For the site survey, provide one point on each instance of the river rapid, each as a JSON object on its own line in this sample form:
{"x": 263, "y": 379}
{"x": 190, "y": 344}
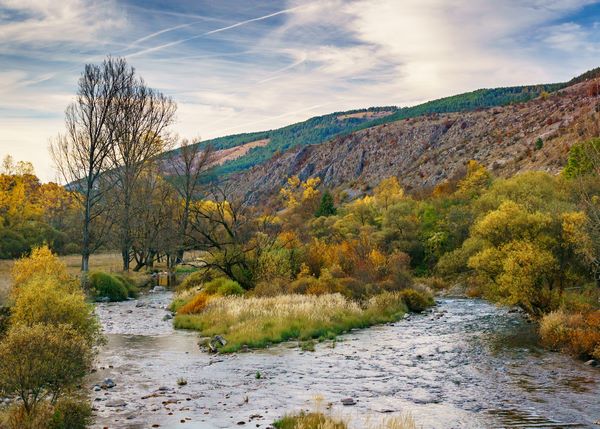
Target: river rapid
{"x": 464, "y": 364}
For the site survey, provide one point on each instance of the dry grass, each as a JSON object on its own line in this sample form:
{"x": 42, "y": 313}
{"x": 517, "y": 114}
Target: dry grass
{"x": 259, "y": 321}
{"x": 320, "y": 420}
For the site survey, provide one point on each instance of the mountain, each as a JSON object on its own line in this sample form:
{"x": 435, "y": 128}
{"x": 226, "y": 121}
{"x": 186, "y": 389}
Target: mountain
{"x": 240, "y": 152}
{"x": 508, "y": 130}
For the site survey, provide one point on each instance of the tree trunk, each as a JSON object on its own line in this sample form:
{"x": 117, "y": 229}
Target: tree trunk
{"x": 125, "y": 256}
{"x": 85, "y": 245}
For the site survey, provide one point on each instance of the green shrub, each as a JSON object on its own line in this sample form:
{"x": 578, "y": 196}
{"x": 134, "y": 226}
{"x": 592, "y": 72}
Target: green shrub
{"x": 72, "y": 249}
{"x": 132, "y": 289}
{"x": 539, "y": 143}
{"x": 196, "y": 279}
{"x": 416, "y": 301}
{"x": 223, "y": 286}
{"x": 106, "y": 285}
{"x": 71, "y": 413}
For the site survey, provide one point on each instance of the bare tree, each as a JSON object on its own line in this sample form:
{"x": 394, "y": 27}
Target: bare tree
{"x": 138, "y": 125}
{"x": 82, "y": 153}
{"x": 231, "y": 235}
{"x": 187, "y": 165}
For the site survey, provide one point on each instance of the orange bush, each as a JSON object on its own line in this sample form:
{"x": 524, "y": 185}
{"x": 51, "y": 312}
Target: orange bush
{"x": 577, "y": 333}
{"x": 196, "y": 304}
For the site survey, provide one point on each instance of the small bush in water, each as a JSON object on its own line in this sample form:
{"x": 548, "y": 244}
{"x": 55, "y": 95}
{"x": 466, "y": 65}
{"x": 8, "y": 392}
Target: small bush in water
{"x": 132, "y": 289}
{"x": 416, "y": 301}
{"x": 106, "y": 285}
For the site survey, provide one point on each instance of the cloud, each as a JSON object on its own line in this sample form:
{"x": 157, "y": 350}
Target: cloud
{"x": 41, "y": 23}
{"x": 237, "y": 67}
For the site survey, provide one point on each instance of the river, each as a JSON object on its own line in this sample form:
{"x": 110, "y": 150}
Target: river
{"x": 464, "y": 364}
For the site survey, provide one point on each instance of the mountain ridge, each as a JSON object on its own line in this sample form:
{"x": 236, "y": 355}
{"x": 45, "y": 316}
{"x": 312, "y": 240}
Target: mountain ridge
{"x": 425, "y": 150}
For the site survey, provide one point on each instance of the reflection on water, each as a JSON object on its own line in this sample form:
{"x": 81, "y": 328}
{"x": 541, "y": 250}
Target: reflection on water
{"x": 467, "y": 364}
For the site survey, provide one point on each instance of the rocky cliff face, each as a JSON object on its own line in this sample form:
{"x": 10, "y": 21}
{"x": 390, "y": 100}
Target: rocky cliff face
{"x": 424, "y": 151}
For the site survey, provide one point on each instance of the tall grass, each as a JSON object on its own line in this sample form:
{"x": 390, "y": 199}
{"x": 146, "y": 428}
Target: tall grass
{"x": 320, "y": 420}
{"x": 259, "y": 321}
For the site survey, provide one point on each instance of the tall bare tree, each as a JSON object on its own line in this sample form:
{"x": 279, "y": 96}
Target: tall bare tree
{"x": 187, "y": 165}
{"x": 82, "y": 153}
{"x": 138, "y": 125}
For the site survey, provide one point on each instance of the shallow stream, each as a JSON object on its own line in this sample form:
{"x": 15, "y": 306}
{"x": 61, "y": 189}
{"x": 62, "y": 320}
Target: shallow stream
{"x": 465, "y": 364}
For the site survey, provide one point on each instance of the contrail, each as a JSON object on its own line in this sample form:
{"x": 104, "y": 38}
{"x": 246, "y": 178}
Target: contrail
{"x": 208, "y": 33}
{"x": 158, "y": 33}
{"x": 276, "y": 73}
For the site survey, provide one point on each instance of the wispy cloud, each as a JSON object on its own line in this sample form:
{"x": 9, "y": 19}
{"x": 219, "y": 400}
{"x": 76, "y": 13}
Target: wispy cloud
{"x": 208, "y": 33}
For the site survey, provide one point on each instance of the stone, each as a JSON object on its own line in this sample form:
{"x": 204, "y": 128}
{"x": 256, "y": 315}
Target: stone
{"x": 139, "y": 304}
{"x": 220, "y": 340}
{"x": 97, "y": 388}
{"x": 103, "y": 299}
{"x": 167, "y": 317}
{"x": 108, "y": 384}
{"x": 158, "y": 289}
{"x": 348, "y": 401}
{"x": 116, "y": 403}
{"x": 592, "y": 362}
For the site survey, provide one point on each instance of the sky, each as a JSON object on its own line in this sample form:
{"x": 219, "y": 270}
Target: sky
{"x": 243, "y": 65}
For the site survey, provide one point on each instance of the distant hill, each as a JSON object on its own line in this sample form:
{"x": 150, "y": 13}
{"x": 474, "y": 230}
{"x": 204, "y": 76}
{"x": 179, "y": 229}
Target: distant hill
{"x": 322, "y": 128}
{"x": 427, "y": 144}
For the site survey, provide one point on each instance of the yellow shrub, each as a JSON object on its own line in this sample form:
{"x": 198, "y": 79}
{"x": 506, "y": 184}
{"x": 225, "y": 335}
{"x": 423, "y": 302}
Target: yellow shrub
{"x": 41, "y": 263}
{"x": 48, "y": 302}
{"x": 553, "y": 330}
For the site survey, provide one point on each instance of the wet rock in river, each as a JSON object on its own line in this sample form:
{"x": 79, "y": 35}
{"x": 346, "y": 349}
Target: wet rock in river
{"x": 116, "y": 403}
{"x": 108, "y": 383}
{"x": 348, "y": 401}
{"x": 167, "y": 317}
{"x": 158, "y": 289}
{"x": 592, "y": 362}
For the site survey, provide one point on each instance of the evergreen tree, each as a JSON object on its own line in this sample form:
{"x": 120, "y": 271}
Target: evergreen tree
{"x": 326, "y": 207}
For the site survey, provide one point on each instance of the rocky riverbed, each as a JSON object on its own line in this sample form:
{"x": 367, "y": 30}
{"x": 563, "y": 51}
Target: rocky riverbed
{"x": 465, "y": 364}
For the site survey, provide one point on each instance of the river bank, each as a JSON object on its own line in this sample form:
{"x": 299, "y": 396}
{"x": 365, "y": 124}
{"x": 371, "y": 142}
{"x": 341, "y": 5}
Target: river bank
{"x": 464, "y": 364}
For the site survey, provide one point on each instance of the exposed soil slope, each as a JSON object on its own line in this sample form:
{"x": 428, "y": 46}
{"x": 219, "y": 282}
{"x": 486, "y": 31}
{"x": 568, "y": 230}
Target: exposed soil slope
{"x": 424, "y": 151}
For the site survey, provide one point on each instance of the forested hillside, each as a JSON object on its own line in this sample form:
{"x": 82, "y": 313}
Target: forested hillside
{"x": 427, "y": 150}
{"x": 322, "y": 128}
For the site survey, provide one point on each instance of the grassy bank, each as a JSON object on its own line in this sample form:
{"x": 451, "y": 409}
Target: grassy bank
{"x": 321, "y": 420}
{"x": 257, "y": 322}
